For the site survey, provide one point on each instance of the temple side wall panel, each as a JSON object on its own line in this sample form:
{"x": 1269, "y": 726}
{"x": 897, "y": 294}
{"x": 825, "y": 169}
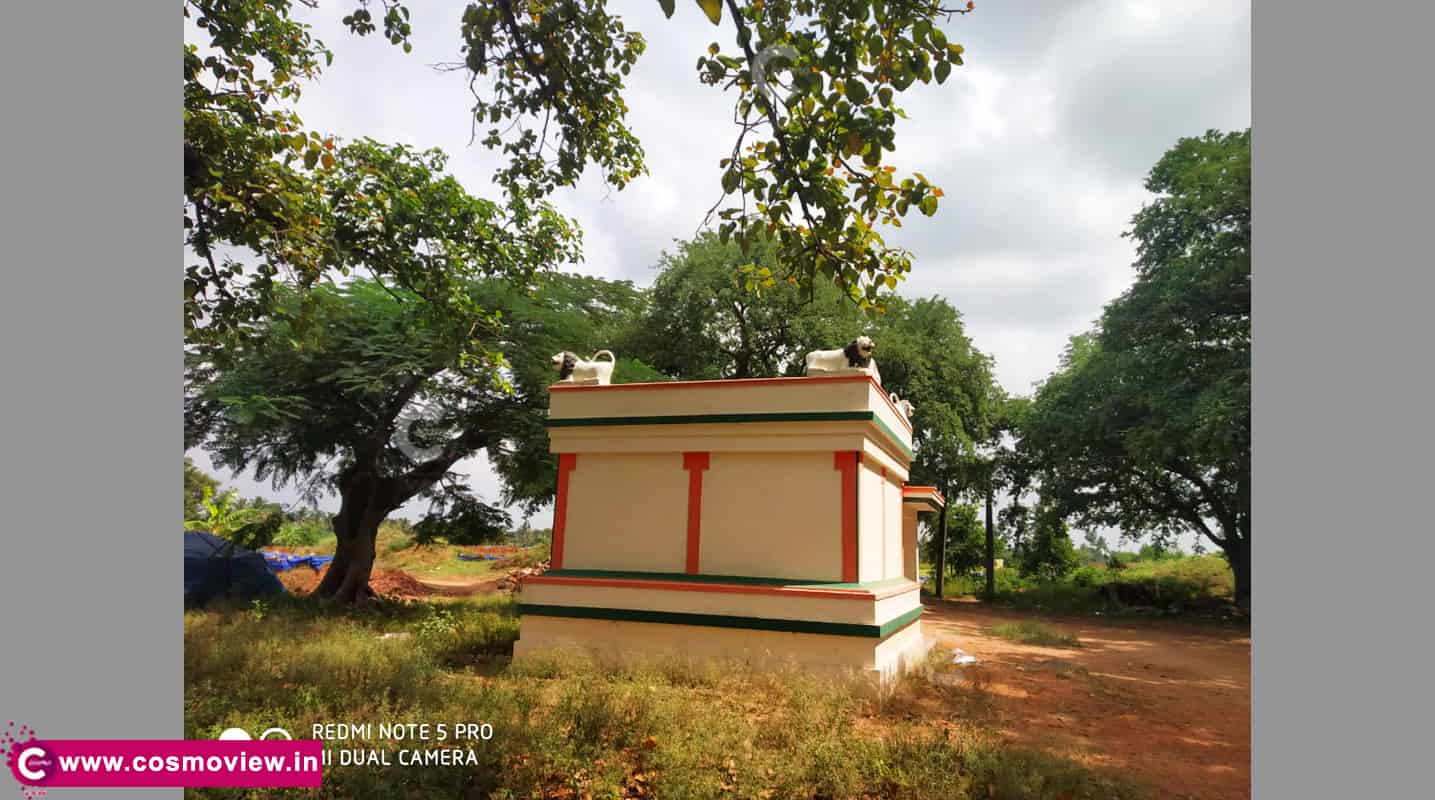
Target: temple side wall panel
{"x": 870, "y": 524}
{"x": 627, "y": 512}
{"x": 892, "y": 528}
{"x": 772, "y": 515}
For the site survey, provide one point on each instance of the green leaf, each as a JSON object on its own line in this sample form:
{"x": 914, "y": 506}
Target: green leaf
{"x": 944, "y": 68}
{"x": 729, "y": 181}
{"x": 856, "y": 91}
{"x": 929, "y": 205}
{"x": 713, "y": 8}
{"x": 668, "y": 6}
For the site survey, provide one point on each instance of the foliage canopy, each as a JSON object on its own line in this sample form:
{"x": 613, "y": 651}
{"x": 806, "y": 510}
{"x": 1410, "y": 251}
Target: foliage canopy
{"x": 1146, "y": 425}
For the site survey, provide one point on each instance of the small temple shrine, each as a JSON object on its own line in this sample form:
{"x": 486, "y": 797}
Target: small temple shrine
{"x": 764, "y": 520}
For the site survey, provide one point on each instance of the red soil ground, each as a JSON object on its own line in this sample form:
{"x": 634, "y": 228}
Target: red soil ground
{"x": 1169, "y": 703}
{"x": 386, "y": 582}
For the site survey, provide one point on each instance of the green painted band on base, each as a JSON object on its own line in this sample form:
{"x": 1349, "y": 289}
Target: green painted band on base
{"x": 700, "y": 419}
{"x": 740, "y": 580}
{"x": 723, "y": 621}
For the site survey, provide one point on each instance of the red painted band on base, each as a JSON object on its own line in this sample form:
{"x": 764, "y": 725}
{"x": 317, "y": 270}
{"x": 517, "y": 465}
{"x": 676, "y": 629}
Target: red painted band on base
{"x": 723, "y": 588}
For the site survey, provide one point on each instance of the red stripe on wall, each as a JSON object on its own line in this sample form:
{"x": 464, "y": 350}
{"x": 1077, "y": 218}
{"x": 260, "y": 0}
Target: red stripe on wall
{"x": 567, "y": 462}
{"x": 695, "y": 463}
{"x": 846, "y": 461}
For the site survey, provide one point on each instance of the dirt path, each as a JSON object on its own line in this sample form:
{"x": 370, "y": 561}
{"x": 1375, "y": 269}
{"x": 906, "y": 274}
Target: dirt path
{"x": 461, "y": 587}
{"x": 1169, "y": 702}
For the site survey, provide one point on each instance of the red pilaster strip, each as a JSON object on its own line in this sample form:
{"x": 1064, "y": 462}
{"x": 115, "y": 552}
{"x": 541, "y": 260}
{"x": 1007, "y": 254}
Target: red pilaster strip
{"x": 567, "y": 462}
{"x": 846, "y": 461}
{"x": 695, "y": 463}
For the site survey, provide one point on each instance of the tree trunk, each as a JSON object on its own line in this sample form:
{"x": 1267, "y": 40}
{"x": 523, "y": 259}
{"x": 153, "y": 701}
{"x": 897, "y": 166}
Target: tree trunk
{"x": 742, "y": 360}
{"x": 940, "y": 569}
{"x": 1238, "y": 553}
{"x": 991, "y": 550}
{"x": 356, "y": 527}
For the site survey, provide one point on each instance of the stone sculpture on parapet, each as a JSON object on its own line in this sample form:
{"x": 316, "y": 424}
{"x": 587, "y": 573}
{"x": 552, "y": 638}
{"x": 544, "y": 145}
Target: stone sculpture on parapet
{"x": 856, "y": 357}
{"x": 590, "y": 371}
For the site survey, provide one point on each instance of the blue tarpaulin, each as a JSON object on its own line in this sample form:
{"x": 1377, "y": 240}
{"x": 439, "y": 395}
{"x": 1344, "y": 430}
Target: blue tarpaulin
{"x": 472, "y": 557}
{"x": 214, "y": 566}
{"x": 279, "y": 562}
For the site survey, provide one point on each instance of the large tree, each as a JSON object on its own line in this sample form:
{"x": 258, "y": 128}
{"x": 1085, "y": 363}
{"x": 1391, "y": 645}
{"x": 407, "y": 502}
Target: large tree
{"x": 374, "y": 399}
{"x": 314, "y": 389}
{"x": 814, "y": 87}
{"x": 320, "y": 407}
{"x": 706, "y": 317}
{"x": 1146, "y": 425}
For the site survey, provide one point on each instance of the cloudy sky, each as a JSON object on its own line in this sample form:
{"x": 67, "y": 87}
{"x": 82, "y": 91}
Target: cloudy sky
{"x": 1041, "y": 143}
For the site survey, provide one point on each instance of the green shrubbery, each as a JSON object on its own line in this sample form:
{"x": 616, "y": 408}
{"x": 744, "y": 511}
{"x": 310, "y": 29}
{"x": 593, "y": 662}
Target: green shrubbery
{"x": 305, "y": 533}
{"x": 1201, "y": 586}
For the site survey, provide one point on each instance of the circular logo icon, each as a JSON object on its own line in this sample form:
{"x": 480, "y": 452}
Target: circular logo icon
{"x": 419, "y": 420}
{"x": 35, "y": 763}
{"x": 235, "y": 735}
{"x": 759, "y": 67}
{"x": 265, "y": 735}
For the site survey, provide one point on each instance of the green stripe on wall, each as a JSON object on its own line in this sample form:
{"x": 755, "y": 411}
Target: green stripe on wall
{"x": 892, "y": 626}
{"x": 724, "y": 621}
{"x": 897, "y": 440}
{"x": 698, "y": 419}
{"x": 742, "y": 580}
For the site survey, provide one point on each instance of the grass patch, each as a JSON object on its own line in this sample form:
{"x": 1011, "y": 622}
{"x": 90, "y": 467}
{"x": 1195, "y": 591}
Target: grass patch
{"x": 1032, "y": 632}
{"x": 1193, "y": 587}
{"x": 567, "y": 727}
{"x": 396, "y": 549}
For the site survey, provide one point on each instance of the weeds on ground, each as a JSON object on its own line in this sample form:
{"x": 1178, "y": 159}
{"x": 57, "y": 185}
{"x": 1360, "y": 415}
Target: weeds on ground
{"x": 395, "y": 548}
{"x": 565, "y": 726}
{"x": 528, "y": 557}
{"x": 1033, "y": 632}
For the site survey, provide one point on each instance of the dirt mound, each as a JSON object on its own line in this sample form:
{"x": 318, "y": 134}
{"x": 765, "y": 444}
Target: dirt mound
{"x": 386, "y": 582}
{"x": 302, "y": 580}
{"x": 397, "y": 583}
